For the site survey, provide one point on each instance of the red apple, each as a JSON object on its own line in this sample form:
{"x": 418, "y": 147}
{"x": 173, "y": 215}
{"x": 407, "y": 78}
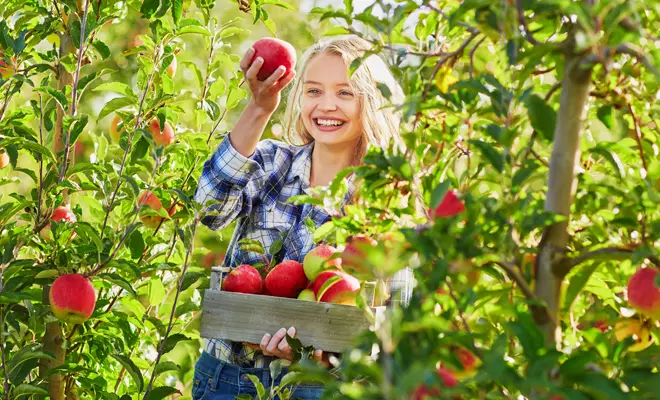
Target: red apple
{"x": 354, "y": 254}
{"x": 448, "y": 379}
{"x": 275, "y": 53}
{"x": 171, "y": 69}
{"x": 161, "y": 137}
{"x": 61, "y": 213}
{"x": 466, "y": 358}
{"x": 644, "y": 292}
{"x": 286, "y": 279}
{"x": 72, "y": 298}
{"x": 448, "y": 207}
{"x": 5, "y": 69}
{"x": 317, "y": 259}
{"x": 243, "y": 279}
{"x": 342, "y": 292}
{"x": 4, "y": 159}
{"x": 115, "y": 134}
{"x": 148, "y": 198}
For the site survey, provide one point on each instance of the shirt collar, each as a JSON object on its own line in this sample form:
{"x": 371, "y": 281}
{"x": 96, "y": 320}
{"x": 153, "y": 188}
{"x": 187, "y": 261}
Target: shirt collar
{"x": 301, "y": 168}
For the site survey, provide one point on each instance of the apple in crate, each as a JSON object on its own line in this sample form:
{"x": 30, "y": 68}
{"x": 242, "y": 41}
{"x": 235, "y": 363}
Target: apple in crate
{"x": 317, "y": 259}
{"x": 243, "y": 279}
{"x": 342, "y": 291}
{"x": 286, "y": 279}
{"x": 307, "y": 294}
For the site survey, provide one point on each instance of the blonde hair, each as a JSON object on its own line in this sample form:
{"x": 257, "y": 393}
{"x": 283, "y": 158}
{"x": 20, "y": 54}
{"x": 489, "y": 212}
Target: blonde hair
{"x": 380, "y": 124}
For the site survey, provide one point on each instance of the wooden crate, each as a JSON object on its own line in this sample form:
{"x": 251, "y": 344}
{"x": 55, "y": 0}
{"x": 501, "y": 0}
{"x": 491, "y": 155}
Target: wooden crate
{"x": 246, "y": 318}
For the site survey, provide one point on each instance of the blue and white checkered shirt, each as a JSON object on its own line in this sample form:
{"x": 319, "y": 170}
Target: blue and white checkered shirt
{"x": 255, "y": 191}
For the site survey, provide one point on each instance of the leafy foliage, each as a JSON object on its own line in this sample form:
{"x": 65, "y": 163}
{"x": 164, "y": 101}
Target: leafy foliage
{"x": 489, "y": 93}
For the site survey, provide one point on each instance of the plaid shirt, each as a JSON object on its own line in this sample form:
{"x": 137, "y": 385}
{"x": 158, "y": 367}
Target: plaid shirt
{"x": 255, "y": 191}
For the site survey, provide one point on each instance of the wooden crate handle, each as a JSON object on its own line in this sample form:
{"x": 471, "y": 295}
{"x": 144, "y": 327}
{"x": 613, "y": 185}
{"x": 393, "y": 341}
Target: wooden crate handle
{"x": 218, "y": 274}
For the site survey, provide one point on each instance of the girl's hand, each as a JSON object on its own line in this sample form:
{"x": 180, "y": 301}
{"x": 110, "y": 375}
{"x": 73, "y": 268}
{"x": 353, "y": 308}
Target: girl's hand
{"x": 265, "y": 94}
{"x": 277, "y": 345}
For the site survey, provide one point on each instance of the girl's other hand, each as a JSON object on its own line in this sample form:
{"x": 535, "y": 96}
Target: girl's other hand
{"x": 265, "y": 94}
{"x": 277, "y": 345}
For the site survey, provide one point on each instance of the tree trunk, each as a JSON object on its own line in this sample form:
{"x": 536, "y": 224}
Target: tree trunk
{"x": 52, "y": 342}
{"x": 64, "y": 79}
{"x": 561, "y": 189}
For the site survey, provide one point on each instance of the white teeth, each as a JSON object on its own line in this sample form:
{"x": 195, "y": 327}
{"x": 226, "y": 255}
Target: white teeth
{"x": 329, "y": 122}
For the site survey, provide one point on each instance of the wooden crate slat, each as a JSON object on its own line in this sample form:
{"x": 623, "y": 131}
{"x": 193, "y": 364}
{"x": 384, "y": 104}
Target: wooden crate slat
{"x": 246, "y": 318}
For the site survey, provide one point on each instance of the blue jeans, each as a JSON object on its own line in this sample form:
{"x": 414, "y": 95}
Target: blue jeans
{"x": 215, "y": 379}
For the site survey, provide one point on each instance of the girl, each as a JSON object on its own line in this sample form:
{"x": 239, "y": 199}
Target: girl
{"x": 331, "y": 120}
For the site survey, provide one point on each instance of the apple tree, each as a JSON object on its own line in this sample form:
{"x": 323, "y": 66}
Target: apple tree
{"x": 525, "y": 199}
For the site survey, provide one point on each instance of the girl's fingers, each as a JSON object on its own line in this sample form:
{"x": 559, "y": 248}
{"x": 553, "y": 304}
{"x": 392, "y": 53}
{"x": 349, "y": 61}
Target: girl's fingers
{"x": 284, "y": 81}
{"x": 275, "y": 76}
{"x": 247, "y": 59}
{"x": 284, "y": 346}
{"x": 318, "y": 355}
{"x": 272, "y": 346}
{"x": 251, "y": 74}
{"x": 264, "y": 342}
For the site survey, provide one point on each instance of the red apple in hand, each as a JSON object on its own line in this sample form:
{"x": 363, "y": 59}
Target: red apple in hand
{"x": 287, "y": 279}
{"x": 162, "y": 137}
{"x": 72, "y": 298}
{"x": 315, "y": 259}
{"x": 342, "y": 292}
{"x": 60, "y": 214}
{"x": 243, "y": 279}
{"x": 275, "y": 52}
{"x": 644, "y": 292}
{"x": 148, "y": 198}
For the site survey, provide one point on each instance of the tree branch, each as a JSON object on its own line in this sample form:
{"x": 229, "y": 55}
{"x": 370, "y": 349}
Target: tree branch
{"x": 521, "y": 19}
{"x": 561, "y": 187}
{"x": 638, "y": 136}
{"x": 522, "y": 283}
{"x": 563, "y": 267}
{"x": 637, "y": 53}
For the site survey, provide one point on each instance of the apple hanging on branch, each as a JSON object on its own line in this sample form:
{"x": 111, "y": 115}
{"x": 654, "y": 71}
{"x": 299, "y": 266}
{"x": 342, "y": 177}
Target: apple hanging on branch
{"x": 72, "y": 298}
{"x": 60, "y": 214}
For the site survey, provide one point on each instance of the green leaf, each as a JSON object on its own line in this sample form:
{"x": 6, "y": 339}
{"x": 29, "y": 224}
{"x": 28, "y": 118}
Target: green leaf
{"x": 149, "y": 7}
{"x": 279, "y": 3}
{"x": 136, "y": 244}
{"x": 114, "y": 105}
{"x": 261, "y": 390}
{"x": 56, "y": 94}
{"x": 177, "y": 11}
{"x": 25, "y": 389}
{"x": 161, "y": 392}
{"x": 132, "y": 370}
{"x": 116, "y": 87}
{"x": 102, "y": 48}
{"x": 578, "y": 280}
{"x": 251, "y": 245}
{"x": 323, "y": 231}
{"x": 495, "y": 158}
{"x": 165, "y": 366}
{"x": 172, "y": 340}
{"x": 121, "y": 282}
{"x": 542, "y": 117}
{"x": 156, "y": 290}
{"x": 194, "y": 29}
{"x": 189, "y": 278}
{"x": 439, "y": 193}
{"x": 612, "y": 158}
{"x": 235, "y": 96}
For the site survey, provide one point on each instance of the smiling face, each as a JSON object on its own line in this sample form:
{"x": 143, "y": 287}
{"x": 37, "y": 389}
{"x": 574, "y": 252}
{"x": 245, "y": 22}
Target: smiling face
{"x": 330, "y": 106}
